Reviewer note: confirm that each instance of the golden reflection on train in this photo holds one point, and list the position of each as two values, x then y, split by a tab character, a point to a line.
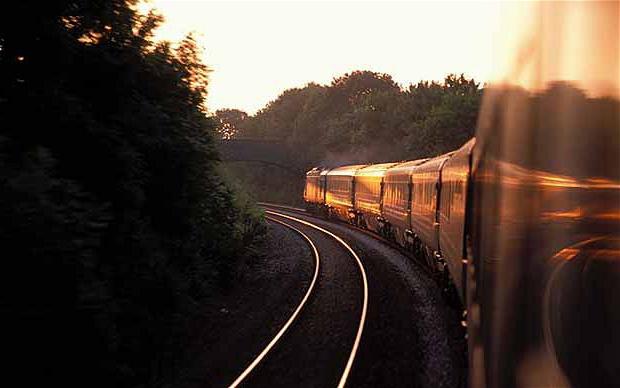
544	41
369	190
561	197
339	195
597	254
544	273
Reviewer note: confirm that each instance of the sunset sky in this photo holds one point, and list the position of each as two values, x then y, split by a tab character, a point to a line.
258	49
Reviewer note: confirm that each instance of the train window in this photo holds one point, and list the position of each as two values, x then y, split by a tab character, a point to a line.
451	197
460	192
393	194
446	199
394	198
430	191
423	195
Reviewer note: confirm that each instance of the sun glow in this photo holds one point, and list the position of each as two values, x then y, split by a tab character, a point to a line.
258	49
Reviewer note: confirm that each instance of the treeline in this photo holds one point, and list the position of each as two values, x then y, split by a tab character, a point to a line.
360	117
114	220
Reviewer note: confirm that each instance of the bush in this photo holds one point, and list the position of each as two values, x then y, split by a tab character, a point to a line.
113	211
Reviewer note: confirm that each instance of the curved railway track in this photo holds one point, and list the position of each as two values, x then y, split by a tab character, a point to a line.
411	335
296	210
290	321
326	329
296	316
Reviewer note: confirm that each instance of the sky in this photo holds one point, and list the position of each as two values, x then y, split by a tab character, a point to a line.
258	49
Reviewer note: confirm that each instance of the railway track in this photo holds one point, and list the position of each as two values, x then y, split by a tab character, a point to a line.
411	336
337	333
311	312
299	211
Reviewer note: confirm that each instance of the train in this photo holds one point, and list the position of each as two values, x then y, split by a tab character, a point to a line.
419	205
522	222
532	256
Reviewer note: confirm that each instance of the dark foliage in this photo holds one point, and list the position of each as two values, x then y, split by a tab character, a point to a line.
230	122
114	222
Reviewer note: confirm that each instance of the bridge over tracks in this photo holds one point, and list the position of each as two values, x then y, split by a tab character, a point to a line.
268	152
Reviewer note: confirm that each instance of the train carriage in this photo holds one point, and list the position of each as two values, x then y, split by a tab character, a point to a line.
455	178
395	221
543	277
314	189
368	194
425	192
323	185
311	189
340	192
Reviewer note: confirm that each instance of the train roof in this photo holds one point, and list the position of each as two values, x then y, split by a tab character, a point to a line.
405	168
469	145
433	164
346	170
315	171
375	169
458	164
466	148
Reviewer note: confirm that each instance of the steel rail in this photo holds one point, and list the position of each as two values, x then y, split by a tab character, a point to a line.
302	212
290	321
283	207
360	329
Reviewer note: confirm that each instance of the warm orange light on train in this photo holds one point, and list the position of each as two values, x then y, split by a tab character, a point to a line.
543	42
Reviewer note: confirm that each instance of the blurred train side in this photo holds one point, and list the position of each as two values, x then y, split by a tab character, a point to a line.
544	275
543	280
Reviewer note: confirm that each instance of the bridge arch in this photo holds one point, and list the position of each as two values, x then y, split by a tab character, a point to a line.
268	152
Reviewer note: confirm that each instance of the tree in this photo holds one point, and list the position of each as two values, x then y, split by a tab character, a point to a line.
447	115
230	122
116	218
350	88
